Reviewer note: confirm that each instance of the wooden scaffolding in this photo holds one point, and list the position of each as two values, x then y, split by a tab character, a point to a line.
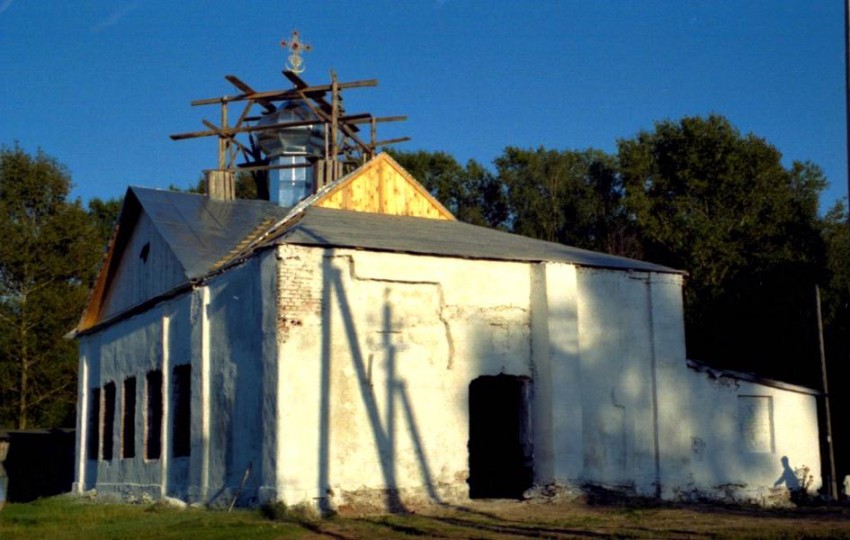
344	144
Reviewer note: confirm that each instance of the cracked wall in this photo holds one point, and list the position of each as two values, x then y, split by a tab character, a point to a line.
380	363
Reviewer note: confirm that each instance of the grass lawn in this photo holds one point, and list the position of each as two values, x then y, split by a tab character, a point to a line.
69	517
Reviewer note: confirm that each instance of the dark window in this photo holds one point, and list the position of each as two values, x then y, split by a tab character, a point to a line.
108	420
94	424
182	400
128	434
146	249
153	426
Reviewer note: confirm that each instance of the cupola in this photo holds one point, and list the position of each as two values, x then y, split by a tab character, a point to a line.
291	141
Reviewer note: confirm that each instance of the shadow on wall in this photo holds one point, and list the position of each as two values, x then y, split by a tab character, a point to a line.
626	414
788	476
649	424
234	379
39	463
383	433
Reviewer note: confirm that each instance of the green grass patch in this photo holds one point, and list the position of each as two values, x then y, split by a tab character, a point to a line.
66	517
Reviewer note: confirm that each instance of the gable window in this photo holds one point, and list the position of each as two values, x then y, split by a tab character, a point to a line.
93	428
182	400
153	423
108	420
143	254
128	431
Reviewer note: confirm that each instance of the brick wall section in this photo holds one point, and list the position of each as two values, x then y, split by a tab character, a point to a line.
299	288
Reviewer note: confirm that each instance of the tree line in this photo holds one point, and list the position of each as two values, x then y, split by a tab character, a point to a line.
695	194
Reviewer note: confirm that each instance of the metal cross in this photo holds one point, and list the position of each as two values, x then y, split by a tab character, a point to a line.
294	62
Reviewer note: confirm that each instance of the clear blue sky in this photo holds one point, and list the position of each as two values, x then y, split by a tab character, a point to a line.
100	84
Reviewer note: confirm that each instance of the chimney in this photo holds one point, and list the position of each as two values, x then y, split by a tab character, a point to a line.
220	185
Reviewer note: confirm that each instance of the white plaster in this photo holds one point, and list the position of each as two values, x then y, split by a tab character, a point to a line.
82	423
541	358
166	406
325	375
204	388
562	300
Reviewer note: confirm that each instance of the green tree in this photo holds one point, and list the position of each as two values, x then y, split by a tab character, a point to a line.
836	318
48	255
105	215
721	206
571	197
471	193
245	187
836	291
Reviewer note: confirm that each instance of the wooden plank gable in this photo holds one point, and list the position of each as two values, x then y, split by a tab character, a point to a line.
138	264
147	268
382	186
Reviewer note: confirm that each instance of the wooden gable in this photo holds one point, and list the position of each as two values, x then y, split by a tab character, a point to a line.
382	186
147	267
138	265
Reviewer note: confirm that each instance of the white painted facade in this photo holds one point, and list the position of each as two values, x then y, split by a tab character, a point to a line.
342	377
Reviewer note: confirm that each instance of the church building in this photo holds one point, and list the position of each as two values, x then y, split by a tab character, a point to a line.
345	342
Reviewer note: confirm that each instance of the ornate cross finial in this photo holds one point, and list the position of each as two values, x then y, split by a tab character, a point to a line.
294	62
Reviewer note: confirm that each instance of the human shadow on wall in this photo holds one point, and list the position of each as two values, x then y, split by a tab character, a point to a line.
334	296
788	476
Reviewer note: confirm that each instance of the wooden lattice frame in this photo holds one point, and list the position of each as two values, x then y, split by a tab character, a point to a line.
343	141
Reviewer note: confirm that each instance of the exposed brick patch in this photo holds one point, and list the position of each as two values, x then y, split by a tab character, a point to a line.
299	287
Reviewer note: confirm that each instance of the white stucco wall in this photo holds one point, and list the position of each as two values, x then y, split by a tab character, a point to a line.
744	439
343	376
219	330
377	353
240	377
157	339
653	425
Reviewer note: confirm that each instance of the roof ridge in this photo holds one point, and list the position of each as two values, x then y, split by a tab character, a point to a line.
298	209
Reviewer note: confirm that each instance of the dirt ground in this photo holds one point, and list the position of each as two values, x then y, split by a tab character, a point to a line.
583	519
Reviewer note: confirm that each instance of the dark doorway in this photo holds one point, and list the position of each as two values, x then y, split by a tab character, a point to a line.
501	463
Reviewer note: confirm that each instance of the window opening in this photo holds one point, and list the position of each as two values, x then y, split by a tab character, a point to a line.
108	420
153	424
182	400
143	254
128	434
93	424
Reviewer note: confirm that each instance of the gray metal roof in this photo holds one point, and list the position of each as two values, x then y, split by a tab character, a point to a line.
203	232
342	228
